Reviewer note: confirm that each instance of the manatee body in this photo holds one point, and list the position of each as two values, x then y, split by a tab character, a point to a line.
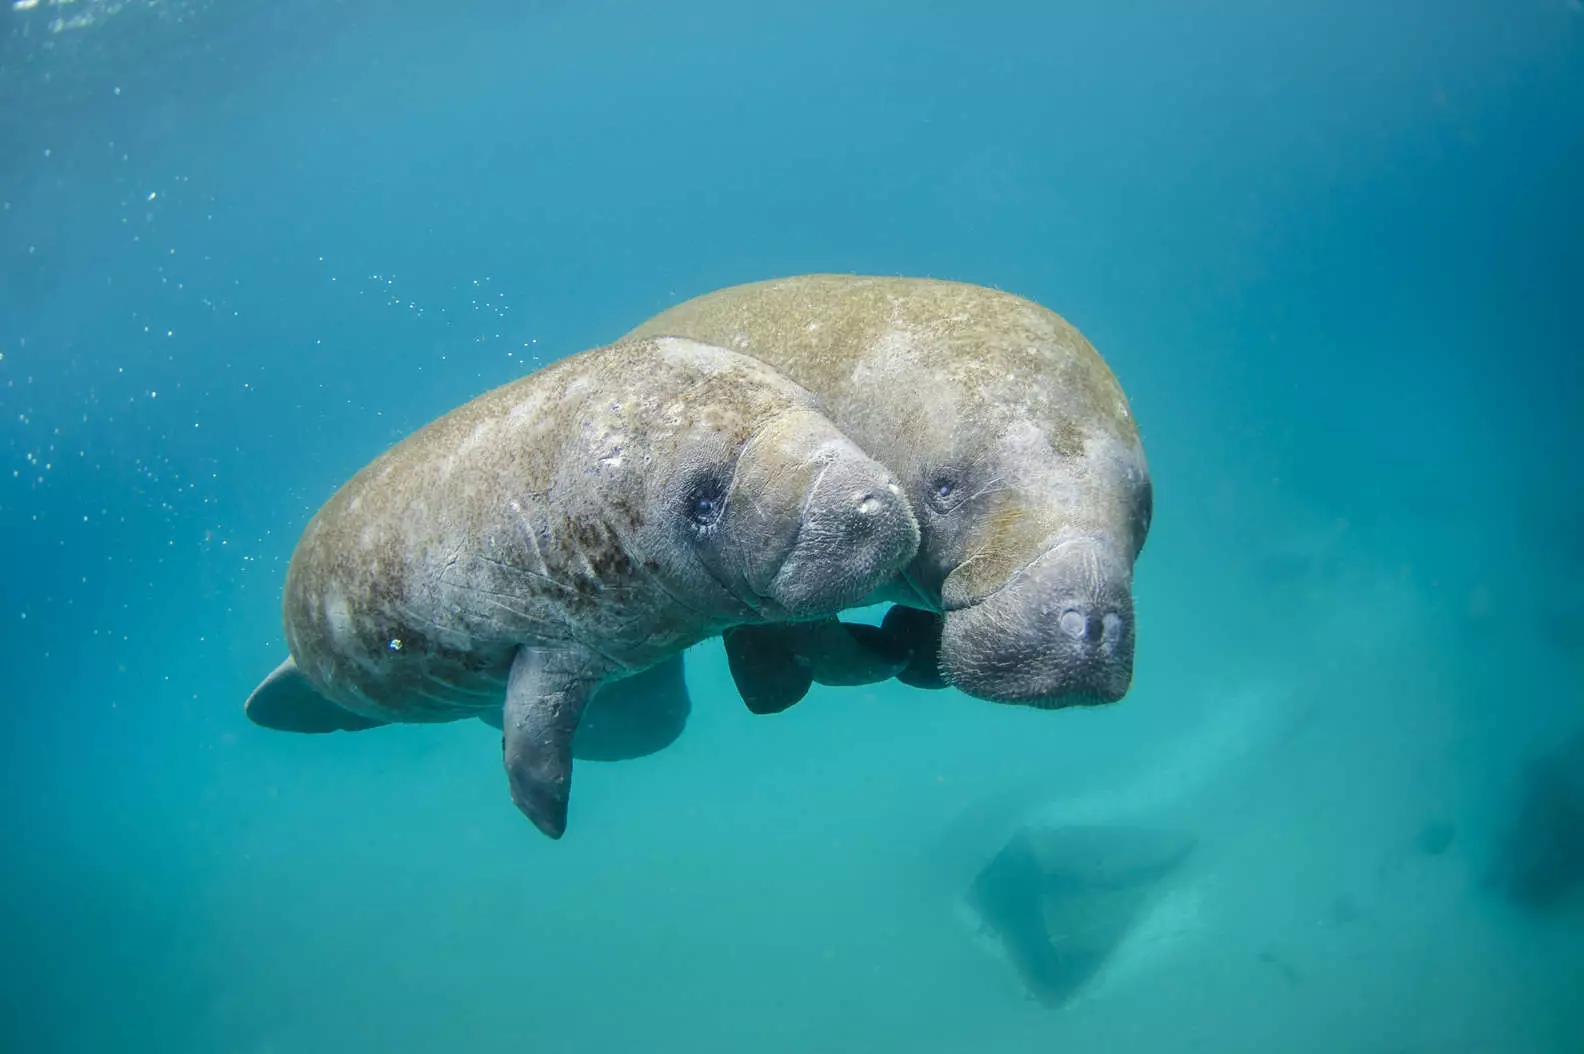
1016	448
571	531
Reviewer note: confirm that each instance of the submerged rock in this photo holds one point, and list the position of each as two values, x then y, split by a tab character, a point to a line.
1062	899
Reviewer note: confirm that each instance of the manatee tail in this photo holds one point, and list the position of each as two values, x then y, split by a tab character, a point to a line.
287	701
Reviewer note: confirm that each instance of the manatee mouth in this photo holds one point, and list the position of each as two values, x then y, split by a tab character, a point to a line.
857	531
1058	633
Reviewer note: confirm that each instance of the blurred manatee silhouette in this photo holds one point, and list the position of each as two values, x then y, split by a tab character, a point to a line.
1062	899
1539	859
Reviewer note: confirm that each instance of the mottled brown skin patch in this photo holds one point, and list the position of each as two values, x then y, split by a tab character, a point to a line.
1068	440
910	366
814	327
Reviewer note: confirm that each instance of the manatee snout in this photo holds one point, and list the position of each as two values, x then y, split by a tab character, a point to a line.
857	531
1059	633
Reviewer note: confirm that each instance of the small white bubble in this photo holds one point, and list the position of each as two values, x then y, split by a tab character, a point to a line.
153	194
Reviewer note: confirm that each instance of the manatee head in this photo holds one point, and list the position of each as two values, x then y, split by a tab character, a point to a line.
761	497
1056	631
810	523
1034	503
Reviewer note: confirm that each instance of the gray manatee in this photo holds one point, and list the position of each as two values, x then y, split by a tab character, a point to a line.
1017	450
574	529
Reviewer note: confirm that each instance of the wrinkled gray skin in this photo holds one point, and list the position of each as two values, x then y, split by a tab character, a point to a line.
571	529
1014	444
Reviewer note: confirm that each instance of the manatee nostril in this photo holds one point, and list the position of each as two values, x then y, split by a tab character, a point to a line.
1082	625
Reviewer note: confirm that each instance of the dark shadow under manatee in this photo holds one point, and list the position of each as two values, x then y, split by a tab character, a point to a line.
1061	899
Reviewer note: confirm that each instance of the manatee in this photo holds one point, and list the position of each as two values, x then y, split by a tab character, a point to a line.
1538	861
1062	899
1017	450
573	529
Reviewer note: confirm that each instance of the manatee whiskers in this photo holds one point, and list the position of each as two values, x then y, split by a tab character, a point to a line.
993	486
993	556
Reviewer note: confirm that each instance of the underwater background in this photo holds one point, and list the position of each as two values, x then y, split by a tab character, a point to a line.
1334	253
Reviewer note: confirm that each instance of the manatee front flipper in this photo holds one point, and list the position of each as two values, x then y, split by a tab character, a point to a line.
630	718
841	654
765	667
545	696
287	701
918	633
774	665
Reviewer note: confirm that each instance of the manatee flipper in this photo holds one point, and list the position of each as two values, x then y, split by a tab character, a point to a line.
774	665
287	701
545	696
630	718
842	654
635	716
919	633
763	664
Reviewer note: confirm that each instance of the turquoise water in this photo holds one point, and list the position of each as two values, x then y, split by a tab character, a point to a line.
1334	253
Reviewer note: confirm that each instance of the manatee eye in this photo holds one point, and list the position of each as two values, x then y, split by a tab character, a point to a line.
706	510
705	503
944	491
